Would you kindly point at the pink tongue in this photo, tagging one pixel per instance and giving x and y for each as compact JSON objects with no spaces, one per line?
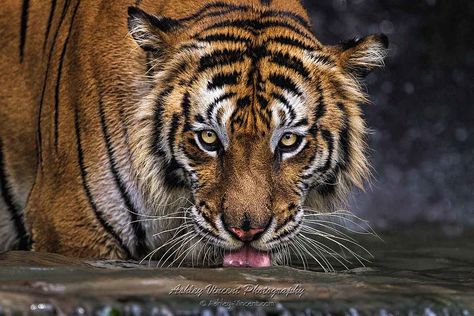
{"x":247,"y":257}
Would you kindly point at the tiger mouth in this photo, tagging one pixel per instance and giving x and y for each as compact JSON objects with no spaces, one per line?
{"x":247,"y":256}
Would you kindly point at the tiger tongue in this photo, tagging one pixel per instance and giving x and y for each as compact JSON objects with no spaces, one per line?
{"x":247,"y":257}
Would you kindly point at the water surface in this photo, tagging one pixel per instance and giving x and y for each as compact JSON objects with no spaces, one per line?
{"x":417,"y":272}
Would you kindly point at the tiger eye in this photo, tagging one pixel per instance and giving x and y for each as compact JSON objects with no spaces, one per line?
{"x":209,"y":137}
{"x":289,"y":140}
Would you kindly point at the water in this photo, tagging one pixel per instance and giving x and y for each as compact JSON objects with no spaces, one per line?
{"x":415,"y":272}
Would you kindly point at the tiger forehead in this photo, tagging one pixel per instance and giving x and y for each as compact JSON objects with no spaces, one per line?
{"x":248,"y":74}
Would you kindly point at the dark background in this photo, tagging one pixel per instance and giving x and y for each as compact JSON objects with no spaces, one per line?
{"x":422,"y":116}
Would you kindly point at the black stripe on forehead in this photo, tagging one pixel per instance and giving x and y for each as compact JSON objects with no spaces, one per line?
{"x":290,"y":41}
{"x":279,"y":39}
{"x":244,"y":102}
{"x":224,"y":37}
{"x":302,"y":122}
{"x":323,"y":59}
{"x":256,"y":54}
{"x":222,"y":79}
{"x":285,"y":83}
{"x":220,"y":58}
{"x":291,"y":62}
{"x":262,"y":101}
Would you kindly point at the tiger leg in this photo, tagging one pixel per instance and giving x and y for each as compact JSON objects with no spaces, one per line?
{"x":61,"y":219}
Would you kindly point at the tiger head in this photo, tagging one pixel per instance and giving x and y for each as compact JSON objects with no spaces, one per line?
{"x":255,"y":118}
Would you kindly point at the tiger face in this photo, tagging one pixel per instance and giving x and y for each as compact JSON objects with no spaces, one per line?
{"x":255,"y":118}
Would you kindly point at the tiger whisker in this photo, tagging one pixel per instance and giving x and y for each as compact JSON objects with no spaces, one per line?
{"x":288,"y":254}
{"x":321,"y":251}
{"x":173,"y":242}
{"x":153,"y":252}
{"x":209,"y":247}
{"x":327,"y":267}
{"x":313,"y":231}
{"x":185,"y":252}
{"x":327,"y":249}
{"x":358,"y":257}
{"x":341,"y":214}
{"x":153,"y":219}
{"x":199,"y":253}
{"x":324,"y":248}
{"x":280,"y":251}
{"x":162,"y":206}
{"x":170,"y":242}
{"x":179,"y":211}
{"x":324,"y":222}
{"x":330,"y":228}
{"x":162,"y":262}
{"x":294,"y":245}
{"x":172,"y":229}
{"x":177,"y":249}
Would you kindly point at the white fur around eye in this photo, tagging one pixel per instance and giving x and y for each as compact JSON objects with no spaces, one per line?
{"x":288,"y":155}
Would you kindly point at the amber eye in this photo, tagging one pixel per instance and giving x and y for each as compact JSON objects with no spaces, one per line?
{"x":208,"y":137}
{"x":289,"y":140}
{"x":209,"y":140}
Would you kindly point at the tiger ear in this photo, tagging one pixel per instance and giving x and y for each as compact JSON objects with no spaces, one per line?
{"x":152,"y":33}
{"x":360,"y":56}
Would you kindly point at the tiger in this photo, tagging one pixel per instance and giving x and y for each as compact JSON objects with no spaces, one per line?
{"x":155,"y":129}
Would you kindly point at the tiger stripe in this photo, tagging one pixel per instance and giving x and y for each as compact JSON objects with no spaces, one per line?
{"x":139,"y":233}
{"x":39,"y":134}
{"x":23,"y":27}
{"x":50,"y":21}
{"x":59,"y":75}
{"x":87,"y":190}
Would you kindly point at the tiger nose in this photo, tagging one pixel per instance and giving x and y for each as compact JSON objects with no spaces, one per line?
{"x":246,"y":235}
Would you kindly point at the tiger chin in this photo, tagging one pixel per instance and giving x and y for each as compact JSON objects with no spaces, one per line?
{"x":174,"y":130}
